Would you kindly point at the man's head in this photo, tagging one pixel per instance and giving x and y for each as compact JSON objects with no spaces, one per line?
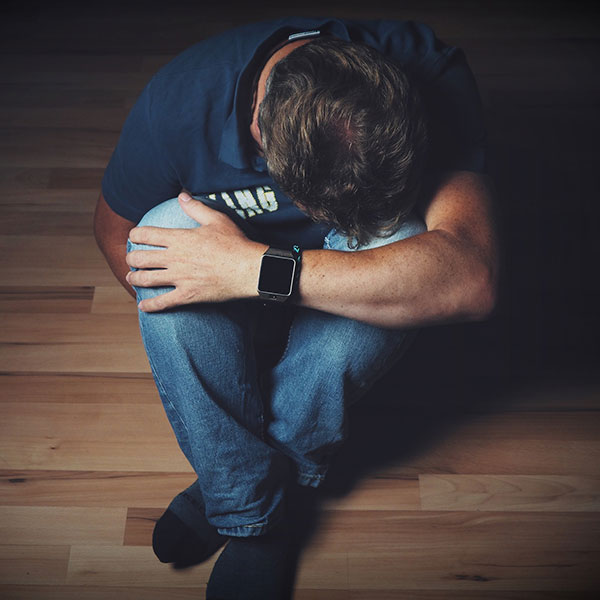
{"x":344,"y":136}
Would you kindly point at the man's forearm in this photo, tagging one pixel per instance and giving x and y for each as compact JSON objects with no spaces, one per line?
{"x":448,"y":273}
{"x":430,"y":278}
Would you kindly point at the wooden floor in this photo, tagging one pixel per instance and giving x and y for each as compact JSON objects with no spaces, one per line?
{"x":472,"y":472}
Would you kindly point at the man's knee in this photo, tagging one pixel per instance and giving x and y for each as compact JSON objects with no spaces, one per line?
{"x":412,"y":226}
{"x":168,"y":214}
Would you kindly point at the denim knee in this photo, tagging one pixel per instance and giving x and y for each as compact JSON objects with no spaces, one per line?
{"x":413,"y":225}
{"x":168,"y":214}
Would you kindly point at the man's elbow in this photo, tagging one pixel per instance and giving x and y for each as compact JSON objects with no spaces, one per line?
{"x":99,"y":234}
{"x":484,"y":294}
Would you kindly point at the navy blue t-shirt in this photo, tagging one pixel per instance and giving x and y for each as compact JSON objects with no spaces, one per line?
{"x":189,"y":129}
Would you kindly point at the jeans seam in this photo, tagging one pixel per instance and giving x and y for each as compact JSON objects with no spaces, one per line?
{"x":287,"y":343}
{"x":161,"y":388}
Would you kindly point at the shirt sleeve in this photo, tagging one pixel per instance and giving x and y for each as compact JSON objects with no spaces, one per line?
{"x":138,"y":176}
{"x":456,"y":121}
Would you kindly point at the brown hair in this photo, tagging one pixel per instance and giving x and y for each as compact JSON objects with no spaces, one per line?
{"x":344,"y":136}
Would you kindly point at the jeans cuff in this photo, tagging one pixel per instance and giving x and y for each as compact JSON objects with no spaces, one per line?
{"x":245,"y":530}
{"x":253,"y":529}
{"x":310,"y":479}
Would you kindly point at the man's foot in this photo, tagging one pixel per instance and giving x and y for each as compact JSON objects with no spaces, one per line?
{"x":253,"y":568}
{"x":183,"y":536}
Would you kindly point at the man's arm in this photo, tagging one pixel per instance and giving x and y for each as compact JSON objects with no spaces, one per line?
{"x":111,"y":231}
{"x":446,"y":274}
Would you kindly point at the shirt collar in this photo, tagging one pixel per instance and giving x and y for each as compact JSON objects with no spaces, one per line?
{"x":235,"y":139}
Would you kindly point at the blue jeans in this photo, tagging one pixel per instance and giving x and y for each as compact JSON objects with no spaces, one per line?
{"x":244,"y":431}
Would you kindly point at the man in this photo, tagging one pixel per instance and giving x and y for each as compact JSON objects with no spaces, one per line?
{"x":339,"y":165}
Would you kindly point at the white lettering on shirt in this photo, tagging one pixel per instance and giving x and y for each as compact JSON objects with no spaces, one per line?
{"x":249,"y":203}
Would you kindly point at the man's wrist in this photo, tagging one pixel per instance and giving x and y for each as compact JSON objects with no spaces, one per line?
{"x":251,"y":269}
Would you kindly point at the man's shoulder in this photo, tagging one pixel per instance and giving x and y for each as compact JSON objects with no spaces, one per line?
{"x":234,"y":47}
{"x":414,"y":45}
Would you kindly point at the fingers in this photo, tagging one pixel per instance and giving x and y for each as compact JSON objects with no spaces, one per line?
{"x":154,"y":236}
{"x":147,"y":259}
{"x":155,"y":278}
{"x":161,"y":302}
{"x":198,"y":210}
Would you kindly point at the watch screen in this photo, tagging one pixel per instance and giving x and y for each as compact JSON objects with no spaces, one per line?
{"x":277,"y":275}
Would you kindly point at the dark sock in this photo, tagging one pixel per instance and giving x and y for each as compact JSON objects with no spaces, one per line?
{"x":183,"y":536}
{"x":253,"y":568}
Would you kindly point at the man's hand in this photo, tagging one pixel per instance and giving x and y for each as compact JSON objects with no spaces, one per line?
{"x":212,"y":263}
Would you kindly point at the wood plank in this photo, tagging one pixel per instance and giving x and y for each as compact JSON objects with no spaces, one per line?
{"x":502,"y":457}
{"x":85,"y":422}
{"x":103,"y":389}
{"x":61,"y":526}
{"x":77,"y":177}
{"x":479,"y":594}
{"x":479,"y":569}
{"x":53,"y":261}
{"x":450,"y":398}
{"x":72,"y":343}
{"x":43,"y":222}
{"x":113,"y":300}
{"x":70,"y":182}
{"x":130,"y":566}
{"x":553,"y":393}
{"x":80,"y":592}
{"x":71,"y":592}
{"x":33,"y":95}
{"x":70,"y":329}
{"x":70,"y":62}
{"x":582,"y":425}
{"x":323,"y":570}
{"x":400,"y":594}
{"x":132,"y":81}
{"x":40,"y":113}
{"x":12,"y":179}
{"x":74,"y":455}
{"x":378,"y":494}
{"x":56,"y":147}
{"x":404,"y":531}
{"x":36,"y":299}
{"x":34,"y":565}
{"x":509,"y":493}
{"x":140,"y":525}
{"x":88,"y":358}
{"x":31,"y":190}
{"x":106,"y":489}
{"x":407,"y":550}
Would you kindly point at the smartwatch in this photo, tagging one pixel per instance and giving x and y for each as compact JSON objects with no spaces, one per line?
{"x":279,"y":274}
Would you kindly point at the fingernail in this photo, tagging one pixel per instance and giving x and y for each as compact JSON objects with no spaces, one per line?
{"x":127,"y":276}
{"x":184,"y":197}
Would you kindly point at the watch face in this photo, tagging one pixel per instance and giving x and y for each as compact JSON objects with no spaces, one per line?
{"x":277,"y":275}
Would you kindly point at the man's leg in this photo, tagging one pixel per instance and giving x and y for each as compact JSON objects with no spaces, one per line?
{"x":330,"y":362}
{"x":203,"y":363}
